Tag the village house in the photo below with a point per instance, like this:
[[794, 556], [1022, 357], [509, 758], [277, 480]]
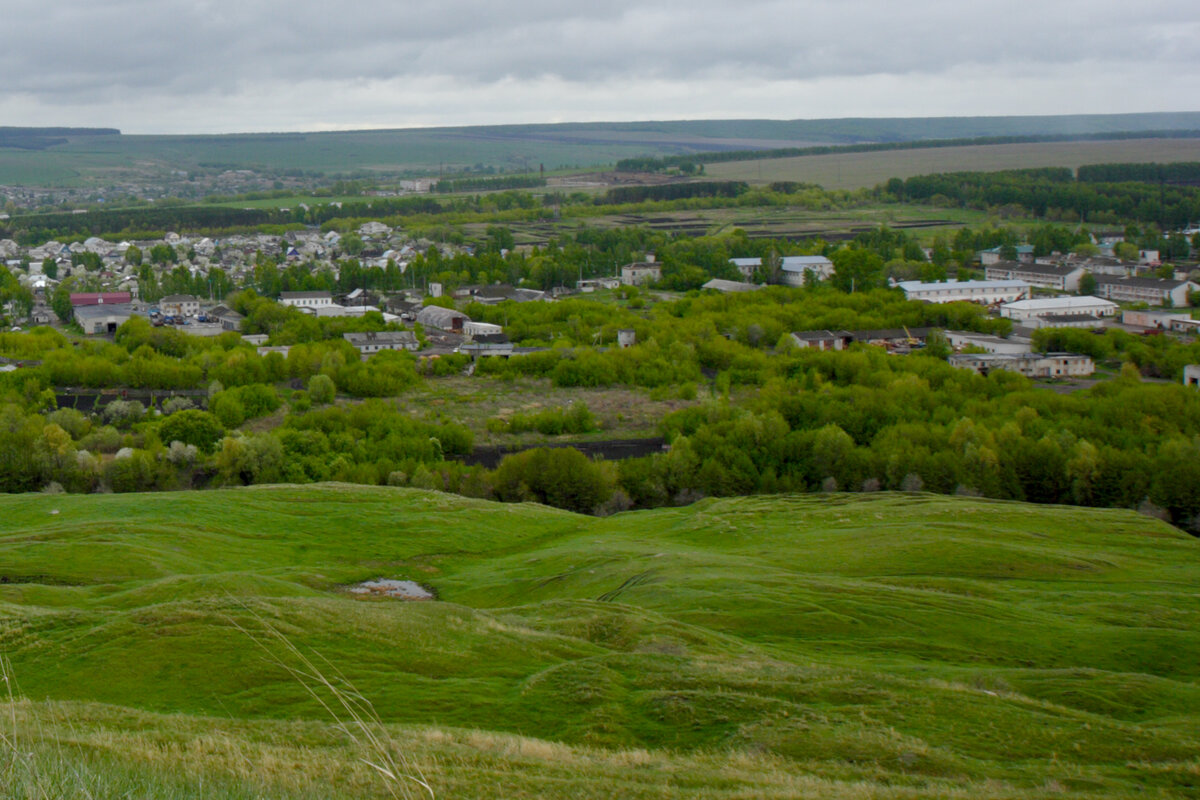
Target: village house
[[1191, 375]]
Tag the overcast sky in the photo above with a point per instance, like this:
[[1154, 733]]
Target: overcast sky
[[171, 66]]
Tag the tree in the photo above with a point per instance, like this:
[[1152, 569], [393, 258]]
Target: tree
[[60, 301], [321, 389], [133, 255], [351, 244], [1087, 284], [1126, 251], [49, 267], [193, 427]]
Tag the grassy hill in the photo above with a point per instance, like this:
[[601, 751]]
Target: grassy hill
[[875, 645], [94, 158]]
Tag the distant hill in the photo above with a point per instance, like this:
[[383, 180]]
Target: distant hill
[[81, 157]]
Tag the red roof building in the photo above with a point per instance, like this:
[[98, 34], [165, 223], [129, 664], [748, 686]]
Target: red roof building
[[99, 298]]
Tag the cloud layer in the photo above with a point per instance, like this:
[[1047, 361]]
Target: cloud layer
[[204, 66]]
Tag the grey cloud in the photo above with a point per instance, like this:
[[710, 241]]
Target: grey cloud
[[77, 52]]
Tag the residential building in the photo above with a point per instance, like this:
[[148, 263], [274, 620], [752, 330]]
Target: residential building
[[746, 266], [1061, 278], [988, 293], [1031, 365], [640, 273], [794, 270], [1191, 375], [179, 305], [1154, 291], [1145, 318], [988, 257]]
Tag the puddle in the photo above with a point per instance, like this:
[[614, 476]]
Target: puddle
[[385, 587]]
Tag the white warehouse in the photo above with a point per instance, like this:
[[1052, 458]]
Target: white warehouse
[[988, 293], [1025, 310]]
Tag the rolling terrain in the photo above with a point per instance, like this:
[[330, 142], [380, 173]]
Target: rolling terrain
[[102, 158], [882, 645]]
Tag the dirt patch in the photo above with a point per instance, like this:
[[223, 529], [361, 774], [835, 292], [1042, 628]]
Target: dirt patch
[[387, 587]]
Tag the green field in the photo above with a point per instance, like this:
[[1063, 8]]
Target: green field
[[862, 170], [869, 646]]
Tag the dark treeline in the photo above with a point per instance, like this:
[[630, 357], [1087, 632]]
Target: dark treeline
[[1055, 193], [448, 186], [674, 191], [664, 163], [1186, 172], [31, 228]]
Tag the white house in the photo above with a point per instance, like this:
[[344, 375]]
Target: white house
[[988, 293]]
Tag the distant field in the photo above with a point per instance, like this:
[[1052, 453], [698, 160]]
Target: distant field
[[111, 159], [863, 170], [884, 645]]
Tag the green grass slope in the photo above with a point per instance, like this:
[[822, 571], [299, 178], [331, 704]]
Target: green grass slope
[[868, 645]]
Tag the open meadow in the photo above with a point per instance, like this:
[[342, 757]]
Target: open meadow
[[888, 645]]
